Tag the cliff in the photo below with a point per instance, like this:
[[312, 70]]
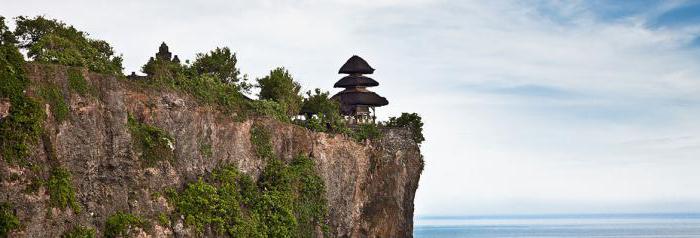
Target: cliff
[[369, 186]]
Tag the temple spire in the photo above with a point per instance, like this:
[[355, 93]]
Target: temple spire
[[356, 100]]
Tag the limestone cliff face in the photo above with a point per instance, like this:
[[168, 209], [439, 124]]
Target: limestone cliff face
[[369, 186]]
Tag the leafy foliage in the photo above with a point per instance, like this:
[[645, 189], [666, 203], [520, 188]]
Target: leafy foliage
[[23, 126], [412, 121], [322, 113], [288, 200], [60, 188], [270, 109], [279, 86], [162, 69], [310, 205], [221, 64], [366, 131], [205, 150], [319, 103], [79, 232], [260, 139], [120, 223], [21, 129], [13, 80], [154, 143], [8, 220], [77, 82], [52, 41], [53, 95], [207, 88]]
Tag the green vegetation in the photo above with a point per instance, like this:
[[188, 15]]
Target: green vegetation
[[60, 188], [154, 143], [8, 220], [22, 127], [409, 120], [120, 223], [221, 64], [77, 83], [53, 95], [79, 231], [366, 131], [52, 41], [216, 205], [322, 113], [280, 87], [260, 139], [288, 200], [163, 220], [270, 109], [205, 150]]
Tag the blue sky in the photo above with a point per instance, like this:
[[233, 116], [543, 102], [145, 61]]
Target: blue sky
[[530, 106]]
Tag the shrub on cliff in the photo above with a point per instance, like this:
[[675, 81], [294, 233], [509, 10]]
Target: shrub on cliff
[[322, 113], [366, 131], [79, 232], [8, 220], [154, 143], [287, 201], [119, 224], [22, 127], [60, 188], [412, 121], [52, 41], [279, 86]]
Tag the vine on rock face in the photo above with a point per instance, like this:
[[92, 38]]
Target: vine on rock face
[[8, 220], [79, 232], [154, 143], [21, 128], [60, 188], [120, 223]]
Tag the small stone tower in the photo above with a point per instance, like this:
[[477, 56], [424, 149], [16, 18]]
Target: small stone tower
[[356, 101]]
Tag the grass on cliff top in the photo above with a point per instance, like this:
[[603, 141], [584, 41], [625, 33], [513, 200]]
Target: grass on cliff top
[[120, 223], [154, 143], [8, 220], [287, 201]]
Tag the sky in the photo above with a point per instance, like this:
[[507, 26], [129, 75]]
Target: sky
[[530, 107]]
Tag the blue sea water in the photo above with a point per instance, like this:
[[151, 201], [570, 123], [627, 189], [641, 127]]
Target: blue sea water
[[589, 225]]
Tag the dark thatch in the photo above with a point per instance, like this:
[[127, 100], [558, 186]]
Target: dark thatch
[[351, 97], [354, 81], [356, 65]]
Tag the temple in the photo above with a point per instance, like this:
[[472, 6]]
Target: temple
[[163, 56], [356, 101]]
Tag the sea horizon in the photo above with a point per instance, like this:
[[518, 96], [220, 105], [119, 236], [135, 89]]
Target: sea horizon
[[560, 225]]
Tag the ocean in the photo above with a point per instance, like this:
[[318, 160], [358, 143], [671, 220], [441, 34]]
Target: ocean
[[587, 225]]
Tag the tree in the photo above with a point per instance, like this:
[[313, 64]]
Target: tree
[[221, 63], [319, 103], [412, 121], [52, 41], [323, 113], [280, 87]]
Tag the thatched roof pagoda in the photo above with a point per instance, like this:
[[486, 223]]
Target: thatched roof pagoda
[[356, 100]]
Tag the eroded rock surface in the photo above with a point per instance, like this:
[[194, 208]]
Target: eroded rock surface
[[369, 186]]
